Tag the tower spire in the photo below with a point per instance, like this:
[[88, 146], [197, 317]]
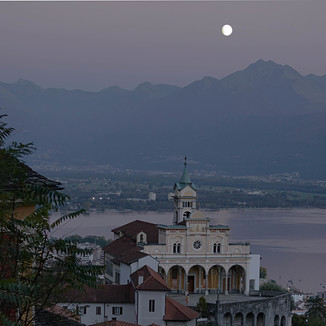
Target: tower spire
[[185, 177], [184, 196]]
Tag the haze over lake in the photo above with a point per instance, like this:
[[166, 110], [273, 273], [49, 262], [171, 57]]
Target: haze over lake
[[291, 242]]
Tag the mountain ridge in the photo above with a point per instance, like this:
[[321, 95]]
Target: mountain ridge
[[266, 118]]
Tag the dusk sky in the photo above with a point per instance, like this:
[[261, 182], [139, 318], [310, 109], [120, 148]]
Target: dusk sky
[[94, 45]]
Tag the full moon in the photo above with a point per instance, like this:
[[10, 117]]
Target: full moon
[[227, 30]]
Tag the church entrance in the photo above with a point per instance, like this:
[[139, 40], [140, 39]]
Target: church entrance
[[191, 283]]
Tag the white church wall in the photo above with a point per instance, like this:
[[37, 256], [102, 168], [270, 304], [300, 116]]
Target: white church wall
[[253, 270]]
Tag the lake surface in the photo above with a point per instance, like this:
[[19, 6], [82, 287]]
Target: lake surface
[[291, 242]]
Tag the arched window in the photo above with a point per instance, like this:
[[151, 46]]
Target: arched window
[[186, 214], [217, 248], [176, 248]]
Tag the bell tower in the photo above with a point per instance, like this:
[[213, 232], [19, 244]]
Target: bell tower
[[185, 197]]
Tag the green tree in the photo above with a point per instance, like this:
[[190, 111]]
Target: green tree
[[263, 272], [298, 320], [316, 309], [35, 271], [272, 286], [202, 307]]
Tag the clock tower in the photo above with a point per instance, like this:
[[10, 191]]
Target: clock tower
[[185, 197]]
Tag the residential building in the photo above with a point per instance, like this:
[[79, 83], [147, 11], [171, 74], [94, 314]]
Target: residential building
[[142, 301]]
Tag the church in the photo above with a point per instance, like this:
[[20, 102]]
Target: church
[[191, 255]]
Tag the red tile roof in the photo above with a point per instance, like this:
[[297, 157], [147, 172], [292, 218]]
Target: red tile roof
[[124, 250], [131, 256], [117, 247], [109, 293], [133, 228], [152, 281], [175, 311]]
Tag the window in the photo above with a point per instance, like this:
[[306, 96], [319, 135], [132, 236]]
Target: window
[[141, 238], [187, 204], [217, 248], [251, 284], [186, 214], [109, 268], [151, 306], [176, 248], [98, 310], [116, 310], [117, 277], [85, 310]]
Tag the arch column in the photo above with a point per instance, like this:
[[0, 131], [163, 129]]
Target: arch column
[[206, 283], [226, 282], [247, 290], [186, 283]]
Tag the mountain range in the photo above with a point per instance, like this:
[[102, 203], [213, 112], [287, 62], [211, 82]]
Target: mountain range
[[265, 119]]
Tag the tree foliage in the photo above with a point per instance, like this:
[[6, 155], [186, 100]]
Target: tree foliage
[[262, 272], [202, 307], [316, 309], [34, 269], [272, 286]]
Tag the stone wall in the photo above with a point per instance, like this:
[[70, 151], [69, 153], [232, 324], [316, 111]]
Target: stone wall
[[273, 311]]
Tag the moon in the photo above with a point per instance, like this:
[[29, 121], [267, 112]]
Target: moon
[[227, 30]]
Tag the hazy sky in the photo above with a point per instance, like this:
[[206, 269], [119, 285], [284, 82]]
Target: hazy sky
[[93, 45]]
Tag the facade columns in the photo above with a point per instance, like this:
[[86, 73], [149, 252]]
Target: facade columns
[[226, 283], [246, 279], [206, 284], [186, 283]]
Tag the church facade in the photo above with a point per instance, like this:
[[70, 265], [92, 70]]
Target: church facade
[[197, 257], [193, 255]]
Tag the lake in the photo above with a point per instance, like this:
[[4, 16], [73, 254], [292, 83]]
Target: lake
[[291, 242]]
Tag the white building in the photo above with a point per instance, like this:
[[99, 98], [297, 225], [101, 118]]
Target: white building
[[143, 301], [152, 196], [193, 256]]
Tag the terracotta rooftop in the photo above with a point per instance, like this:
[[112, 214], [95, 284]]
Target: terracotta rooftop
[[131, 256], [131, 230], [124, 250], [152, 281], [109, 293], [175, 311], [117, 247]]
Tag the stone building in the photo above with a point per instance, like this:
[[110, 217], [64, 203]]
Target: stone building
[[193, 255], [197, 257]]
